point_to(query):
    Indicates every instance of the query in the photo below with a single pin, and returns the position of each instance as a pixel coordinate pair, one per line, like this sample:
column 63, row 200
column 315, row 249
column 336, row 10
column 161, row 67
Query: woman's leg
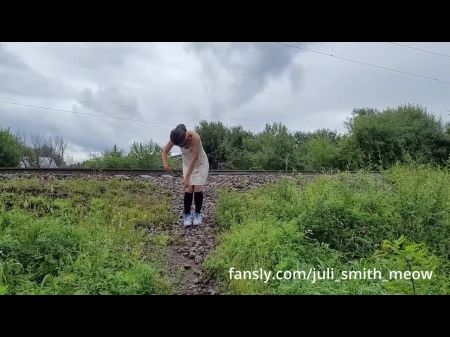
column 188, row 196
column 198, row 198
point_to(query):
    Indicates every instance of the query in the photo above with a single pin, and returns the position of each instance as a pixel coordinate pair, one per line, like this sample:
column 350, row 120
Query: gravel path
column 191, row 245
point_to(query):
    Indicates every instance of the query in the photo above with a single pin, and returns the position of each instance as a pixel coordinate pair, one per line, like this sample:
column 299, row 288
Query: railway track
column 148, row 172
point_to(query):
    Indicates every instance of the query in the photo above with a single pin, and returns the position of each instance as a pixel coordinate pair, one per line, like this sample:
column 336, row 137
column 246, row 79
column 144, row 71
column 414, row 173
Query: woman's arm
column 164, row 154
column 195, row 157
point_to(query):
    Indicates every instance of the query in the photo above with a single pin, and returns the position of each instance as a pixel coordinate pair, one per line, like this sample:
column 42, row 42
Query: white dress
column 201, row 168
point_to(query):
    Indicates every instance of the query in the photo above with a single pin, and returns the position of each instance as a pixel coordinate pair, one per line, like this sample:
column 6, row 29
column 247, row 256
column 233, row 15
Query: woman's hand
column 186, row 181
column 167, row 168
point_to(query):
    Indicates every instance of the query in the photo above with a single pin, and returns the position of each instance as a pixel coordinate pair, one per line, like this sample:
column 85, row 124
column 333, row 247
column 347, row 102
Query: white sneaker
column 187, row 220
column 197, row 219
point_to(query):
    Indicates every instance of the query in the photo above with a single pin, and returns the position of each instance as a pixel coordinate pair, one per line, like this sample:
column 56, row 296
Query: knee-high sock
column 198, row 198
column 187, row 202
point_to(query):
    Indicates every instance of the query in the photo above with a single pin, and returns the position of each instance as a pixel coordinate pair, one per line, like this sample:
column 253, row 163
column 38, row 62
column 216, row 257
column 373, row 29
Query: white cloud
column 237, row 83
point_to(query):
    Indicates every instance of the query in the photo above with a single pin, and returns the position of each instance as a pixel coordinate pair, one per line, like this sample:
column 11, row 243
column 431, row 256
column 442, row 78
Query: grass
column 79, row 237
column 397, row 221
column 87, row 236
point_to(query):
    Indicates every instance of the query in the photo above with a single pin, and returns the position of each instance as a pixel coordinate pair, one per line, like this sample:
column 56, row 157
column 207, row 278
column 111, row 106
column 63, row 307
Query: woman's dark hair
column 178, row 135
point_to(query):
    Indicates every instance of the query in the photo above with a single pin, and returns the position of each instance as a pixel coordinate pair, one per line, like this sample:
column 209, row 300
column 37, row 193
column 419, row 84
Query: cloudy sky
column 247, row 84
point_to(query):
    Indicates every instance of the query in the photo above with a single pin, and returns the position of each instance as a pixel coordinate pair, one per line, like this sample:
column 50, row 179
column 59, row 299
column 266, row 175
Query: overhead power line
column 364, row 63
column 420, row 49
column 86, row 113
column 151, row 109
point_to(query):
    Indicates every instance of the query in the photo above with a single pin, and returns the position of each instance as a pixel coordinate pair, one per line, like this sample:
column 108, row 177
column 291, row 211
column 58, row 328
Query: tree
column 213, row 134
column 301, row 137
column 9, row 149
column 59, row 145
column 320, row 154
column 384, row 138
column 145, row 155
column 140, row 156
column 47, row 146
column 114, row 158
column 349, row 155
column 25, row 150
column 272, row 148
column 315, row 150
column 235, row 148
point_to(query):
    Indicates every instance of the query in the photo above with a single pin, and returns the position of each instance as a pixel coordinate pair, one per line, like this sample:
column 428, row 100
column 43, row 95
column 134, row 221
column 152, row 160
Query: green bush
column 401, row 255
column 10, row 149
column 140, row 156
column 343, row 222
column 380, row 139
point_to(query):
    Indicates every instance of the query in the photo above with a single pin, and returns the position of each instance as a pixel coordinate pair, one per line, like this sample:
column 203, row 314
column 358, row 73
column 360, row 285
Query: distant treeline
column 373, row 140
